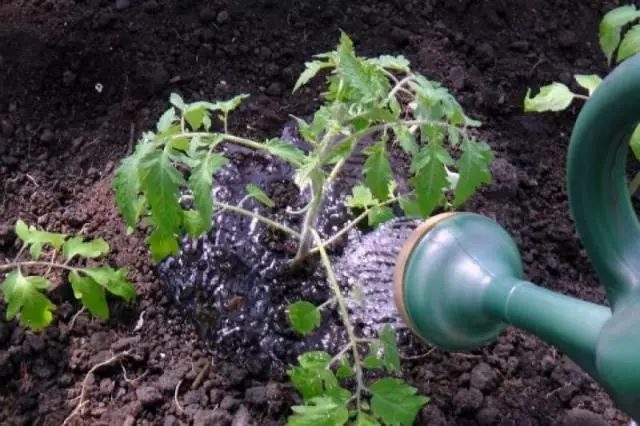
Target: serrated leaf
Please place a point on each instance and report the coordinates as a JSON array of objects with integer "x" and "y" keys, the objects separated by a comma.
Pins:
[
  {"x": 76, "y": 246},
  {"x": 379, "y": 214},
  {"x": 353, "y": 72},
  {"x": 395, "y": 402},
  {"x": 226, "y": 106},
  {"x": 630, "y": 44},
  {"x": 473, "y": 168},
  {"x": 194, "y": 224},
  {"x": 161, "y": 184},
  {"x": 396, "y": 63},
  {"x": 255, "y": 192},
  {"x": 391, "y": 354},
  {"x": 304, "y": 317},
  {"x": 36, "y": 239},
  {"x": 201, "y": 184},
  {"x": 611, "y": 27},
  {"x": 361, "y": 197},
  {"x": 113, "y": 280},
  {"x": 312, "y": 377},
  {"x": 23, "y": 296},
  {"x": 429, "y": 181},
  {"x": 377, "y": 170},
  {"x": 406, "y": 139},
  {"x": 410, "y": 207},
  {"x": 90, "y": 293},
  {"x": 126, "y": 185},
  {"x": 552, "y": 97},
  {"x": 366, "y": 420},
  {"x": 311, "y": 70},
  {"x": 286, "y": 151},
  {"x": 162, "y": 245},
  {"x": 320, "y": 411},
  {"x": 166, "y": 120},
  {"x": 589, "y": 82}
]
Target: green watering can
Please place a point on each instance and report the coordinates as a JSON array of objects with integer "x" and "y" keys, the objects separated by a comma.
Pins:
[{"x": 458, "y": 280}]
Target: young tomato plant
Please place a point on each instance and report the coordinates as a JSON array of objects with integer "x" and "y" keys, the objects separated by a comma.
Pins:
[
  {"x": 25, "y": 294},
  {"x": 617, "y": 46},
  {"x": 379, "y": 98}
]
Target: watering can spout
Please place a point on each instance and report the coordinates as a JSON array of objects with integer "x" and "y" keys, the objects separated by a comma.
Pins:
[{"x": 458, "y": 279}]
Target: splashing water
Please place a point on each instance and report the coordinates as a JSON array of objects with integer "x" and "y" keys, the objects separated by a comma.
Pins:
[{"x": 230, "y": 282}]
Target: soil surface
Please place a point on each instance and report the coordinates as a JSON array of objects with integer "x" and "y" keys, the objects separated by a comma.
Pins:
[{"x": 80, "y": 81}]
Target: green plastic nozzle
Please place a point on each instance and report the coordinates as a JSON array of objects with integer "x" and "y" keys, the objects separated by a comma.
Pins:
[{"x": 459, "y": 281}]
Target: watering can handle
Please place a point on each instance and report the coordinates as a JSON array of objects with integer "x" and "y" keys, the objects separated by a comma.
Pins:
[{"x": 597, "y": 184}]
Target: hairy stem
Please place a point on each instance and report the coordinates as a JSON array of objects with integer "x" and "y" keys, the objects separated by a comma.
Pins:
[
  {"x": 310, "y": 221},
  {"x": 344, "y": 314},
  {"x": 13, "y": 265}
]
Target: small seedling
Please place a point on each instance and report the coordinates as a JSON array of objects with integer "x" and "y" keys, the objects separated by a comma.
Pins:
[
  {"x": 25, "y": 294},
  {"x": 379, "y": 98},
  {"x": 617, "y": 46}
]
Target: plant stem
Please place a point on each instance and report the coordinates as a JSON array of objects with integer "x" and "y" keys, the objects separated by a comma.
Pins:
[
  {"x": 256, "y": 216},
  {"x": 350, "y": 226},
  {"x": 13, "y": 265},
  {"x": 344, "y": 314},
  {"x": 310, "y": 221}
]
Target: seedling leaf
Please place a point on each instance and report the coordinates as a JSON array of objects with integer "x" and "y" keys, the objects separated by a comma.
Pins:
[
  {"x": 304, "y": 317},
  {"x": 23, "y": 296},
  {"x": 474, "y": 169},
  {"x": 552, "y": 97},
  {"x": 36, "y": 239},
  {"x": 630, "y": 44},
  {"x": 255, "y": 192},
  {"x": 201, "y": 183},
  {"x": 589, "y": 82},
  {"x": 611, "y": 27},
  {"x": 377, "y": 170},
  {"x": 320, "y": 411},
  {"x": 76, "y": 246},
  {"x": 361, "y": 197},
  {"x": 311, "y": 70},
  {"x": 395, "y": 402},
  {"x": 87, "y": 290}
]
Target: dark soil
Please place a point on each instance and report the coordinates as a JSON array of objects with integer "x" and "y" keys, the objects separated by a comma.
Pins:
[{"x": 80, "y": 80}]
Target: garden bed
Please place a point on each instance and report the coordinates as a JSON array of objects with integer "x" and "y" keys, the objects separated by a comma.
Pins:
[{"x": 79, "y": 82}]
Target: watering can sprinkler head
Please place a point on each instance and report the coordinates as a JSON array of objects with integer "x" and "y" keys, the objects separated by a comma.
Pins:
[{"x": 459, "y": 281}]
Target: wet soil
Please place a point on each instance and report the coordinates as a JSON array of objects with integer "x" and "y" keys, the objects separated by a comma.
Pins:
[{"x": 80, "y": 80}]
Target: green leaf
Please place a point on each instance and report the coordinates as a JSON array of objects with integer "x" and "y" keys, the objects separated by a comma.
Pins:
[
  {"x": 304, "y": 317},
  {"x": 473, "y": 169},
  {"x": 634, "y": 142},
  {"x": 201, "y": 184},
  {"x": 372, "y": 360},
  {"x": 113, "y": 280},
  {"x": 410, "y": 207},
  {"x": 429, "y": 180},
  {"x": 176, "y": 101},
  {"x": 391, "y": 354},
  {"x": 320, "y": 411},
  {"x": 630, "y": 44},
  {"x": 160, "y": 182},
  {"x": 126, "y": 184},
  {"x": 611, "y": 27},
  {"x": 361, "y": 197},
  {"x": 353, "y": 72},
  {"x": 254, "y": 191},
  {"x": 194, "y": 224},
  {"x": 395, "y": 402},
  {"x": 344, "y": 370},
  {"x": 37, "y": 239},
  {"x": 166, "y": 120},
  {"x": 377, "y": 170},
  {"x": 194, "y": 115},
  {"x": 90, "y": 293},
  {"x": 76, "y": 246},
  {"x": 286, "y": 151},
  {"x": 226, "y": 106},
  {"x": 589, "y": 82},
  {"x": 366, "y": 420},
  {"x": 23, "y": 297},
  {"x": 396, "y": 63},
  {"x": 312, "y": 377},
  {"x": 340, "y": 151},
  {"x": 162, "y": 244},
  {"x": 406, "y": 139},
  {"x": 379, "y": 214},
  {"x": 311, "y": 70},
  {"x": 552, "y": 97}
]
